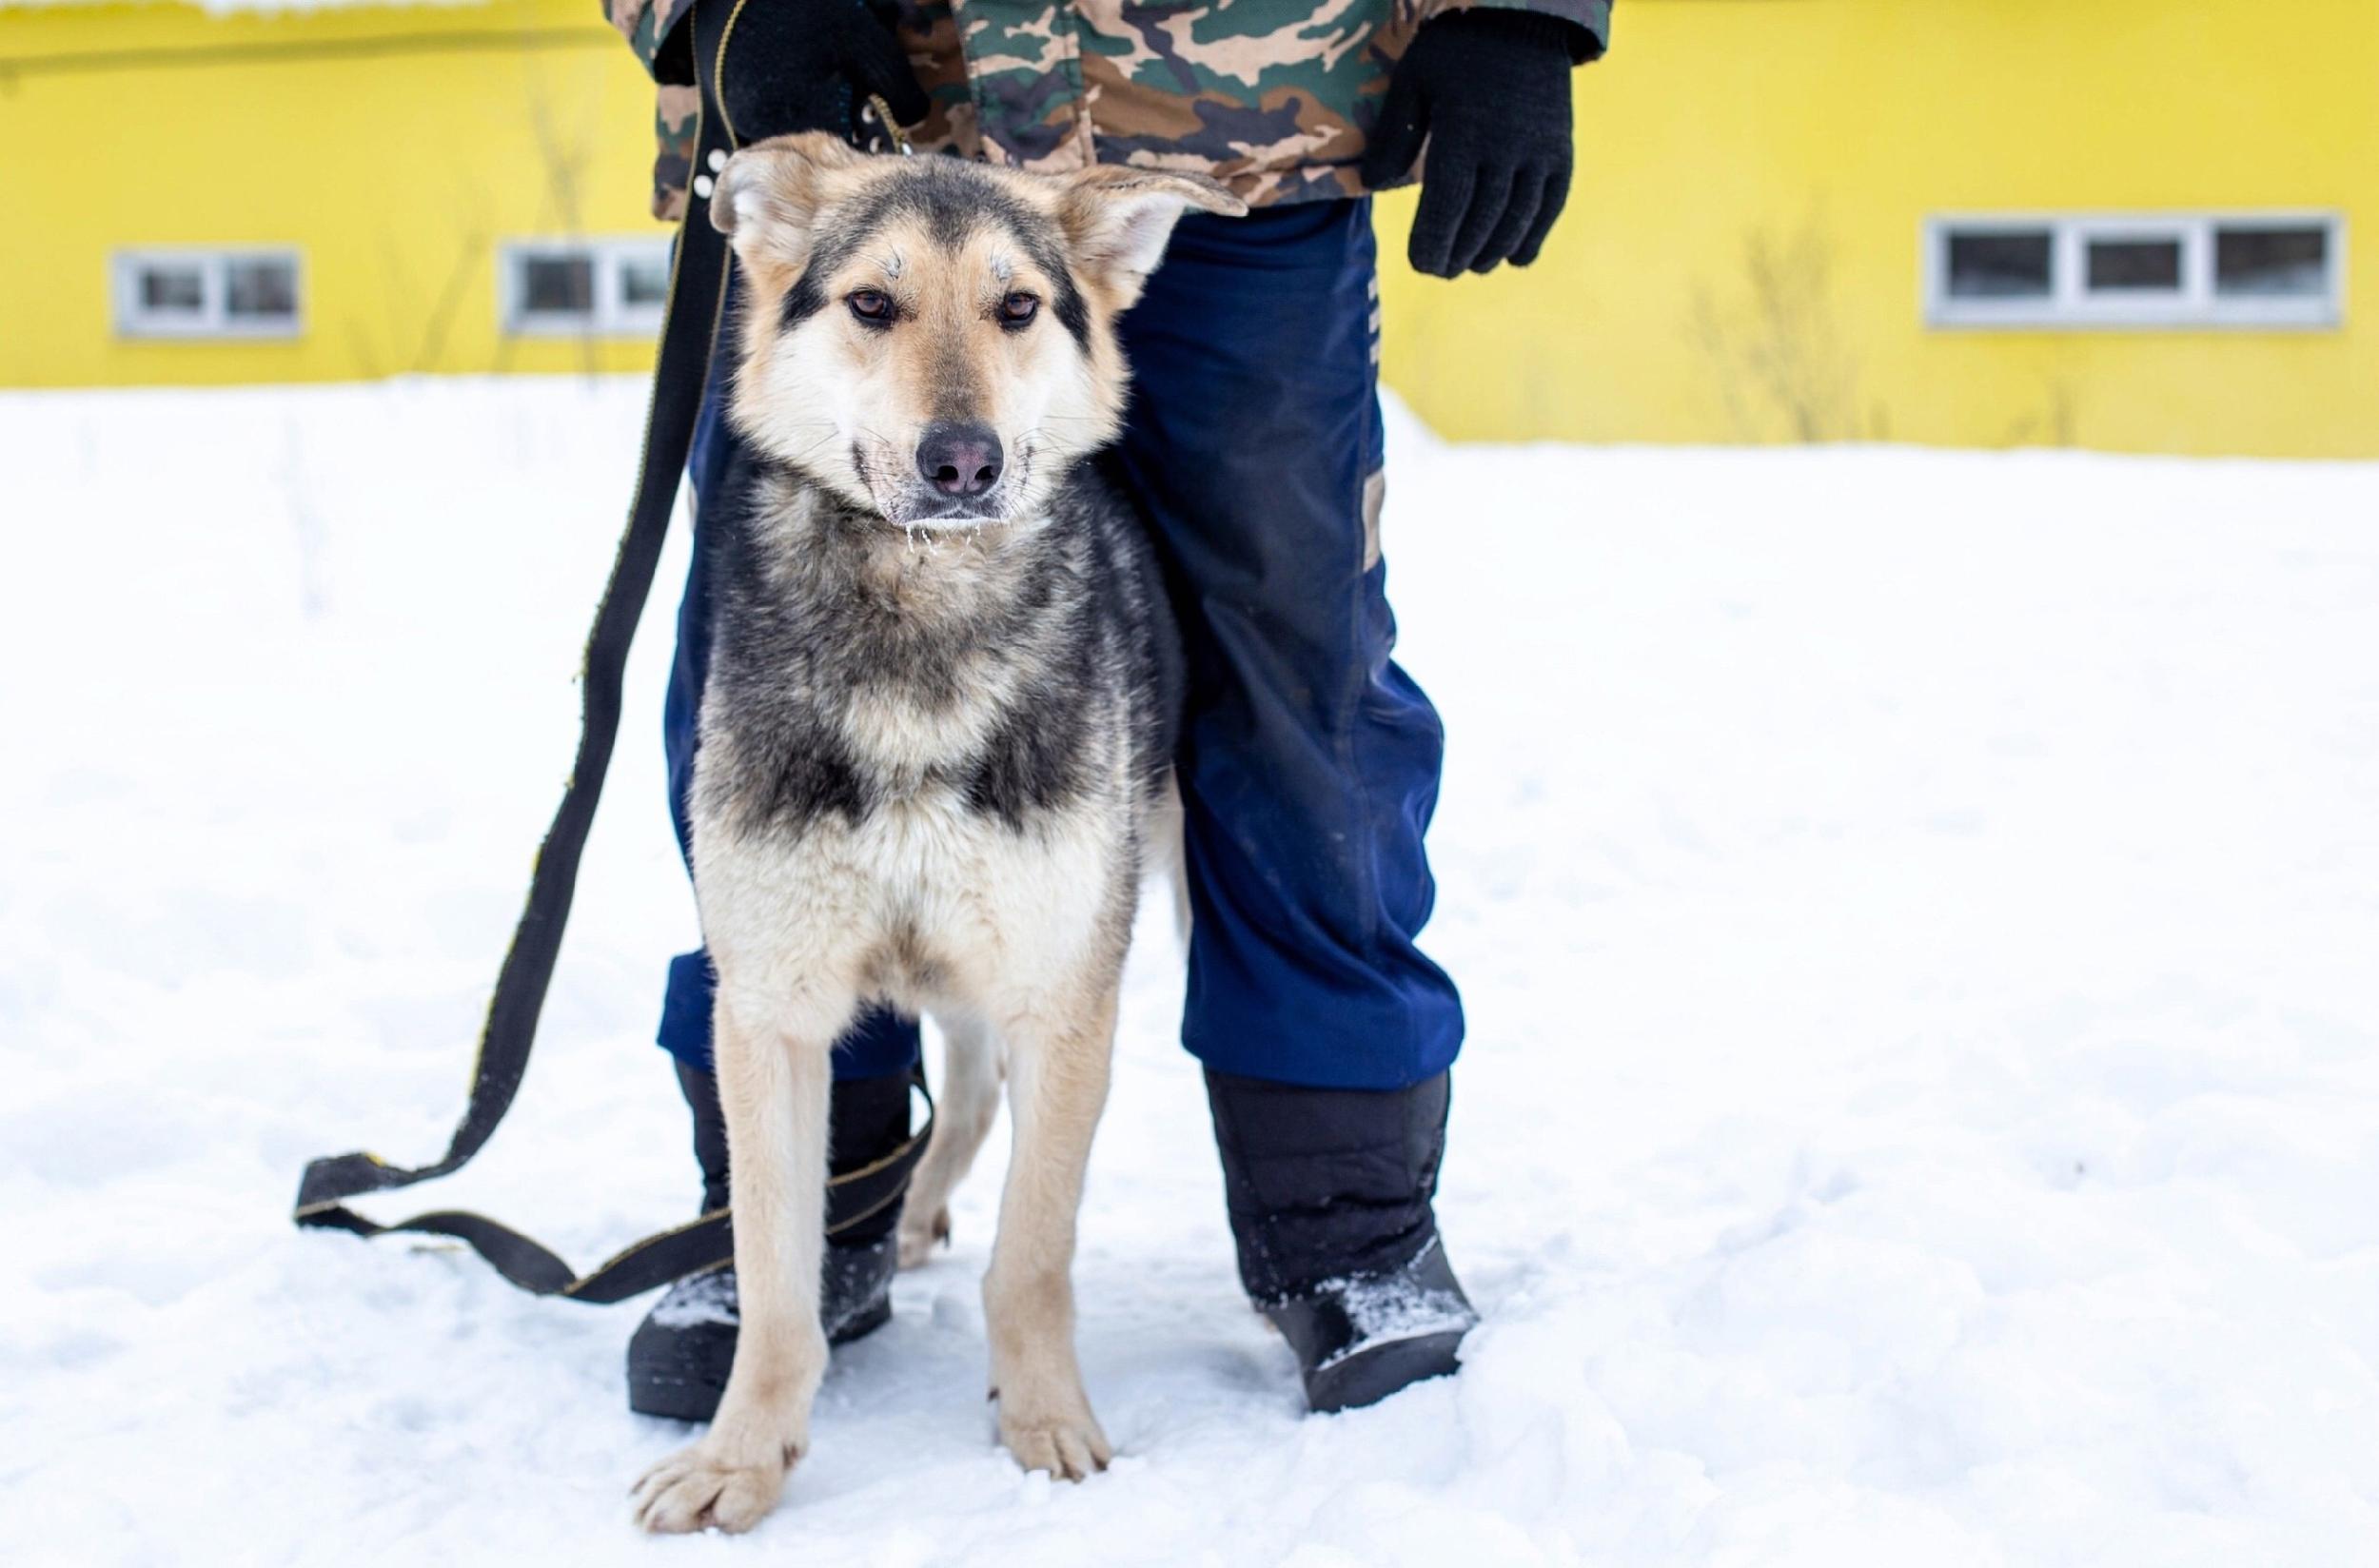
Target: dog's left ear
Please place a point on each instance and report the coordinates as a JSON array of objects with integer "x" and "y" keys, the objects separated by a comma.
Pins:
[
  {"x": 1117, "y": 219},
  {"x": 766, "y": 200}
]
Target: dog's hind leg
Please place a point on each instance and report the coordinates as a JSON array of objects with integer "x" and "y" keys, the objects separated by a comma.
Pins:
[
  {"x": 773, "y": 1084},
  {"x": 970, "y": 1099},
  {"x": 1057, "y": 1070},
  {"x": 1166, "y": 851}
]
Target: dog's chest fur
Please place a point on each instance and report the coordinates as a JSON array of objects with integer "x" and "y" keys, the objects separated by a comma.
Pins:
[{"x": 932, "y": 743}]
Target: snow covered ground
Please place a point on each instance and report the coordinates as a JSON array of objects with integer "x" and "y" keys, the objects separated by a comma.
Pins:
[{"x": 1918, "y": 913}]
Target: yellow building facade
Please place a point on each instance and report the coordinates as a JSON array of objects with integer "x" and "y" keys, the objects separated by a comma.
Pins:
[
  {"x": 2116, "y": 224},
  {"x": 402, "y": 153},
  {"x": 1744, "y": 254}
]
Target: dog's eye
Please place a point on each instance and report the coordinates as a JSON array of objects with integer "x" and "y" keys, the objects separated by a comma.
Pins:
[
  {"x": 870, "y": 307},
  {"x": 1018, "y": 309}
]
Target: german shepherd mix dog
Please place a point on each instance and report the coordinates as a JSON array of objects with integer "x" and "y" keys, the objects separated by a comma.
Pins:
[{"x": 936, "y": 736}]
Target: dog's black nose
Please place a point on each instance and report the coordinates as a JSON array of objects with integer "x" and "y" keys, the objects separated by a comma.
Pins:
[{"x": 959, "y": 460}]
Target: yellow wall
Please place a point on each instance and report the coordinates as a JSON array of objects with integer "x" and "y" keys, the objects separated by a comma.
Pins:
[
  {"x": 1830, "y": 129},
  {"x": 395, "y": 173},
  {"x": 1820, "y": 132}
]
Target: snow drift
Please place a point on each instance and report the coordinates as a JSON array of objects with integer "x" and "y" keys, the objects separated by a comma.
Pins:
[{"x": 1916, "y": 913}]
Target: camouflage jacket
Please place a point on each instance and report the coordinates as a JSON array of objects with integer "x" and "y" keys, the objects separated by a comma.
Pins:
[{"x": 1273, "y": 97}]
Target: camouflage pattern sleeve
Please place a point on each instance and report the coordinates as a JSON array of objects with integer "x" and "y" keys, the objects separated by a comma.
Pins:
[
  {"x": 677, "y": 125},
  {"x": 1275, "y": 98},
  {"x": 645, "y": 22},
  {"x": 1271, "y": 97},
  {"x": 930, "y": 28}
]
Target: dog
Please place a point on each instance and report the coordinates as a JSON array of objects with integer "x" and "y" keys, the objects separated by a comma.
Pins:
[{"x": 936, "y": 738}]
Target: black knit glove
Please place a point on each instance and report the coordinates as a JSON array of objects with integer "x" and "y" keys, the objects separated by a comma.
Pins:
[
  {"x": 1489, "y": 88},
  {"x": 808, "y": 65}
]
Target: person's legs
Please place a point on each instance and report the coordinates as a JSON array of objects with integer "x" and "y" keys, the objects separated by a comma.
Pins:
[
  {"x": 1308, "y": 760},
  {"x": 1308, "y": 768}
]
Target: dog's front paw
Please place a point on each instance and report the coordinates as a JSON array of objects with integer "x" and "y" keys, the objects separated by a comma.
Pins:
[
  {"x": 1069, "y": 1447},
  {"x": 708, "y": 1485},
  {"x": 918, "y": 1234}
]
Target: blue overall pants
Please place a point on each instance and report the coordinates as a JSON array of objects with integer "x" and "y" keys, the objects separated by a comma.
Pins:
[{"x": 1308, "y": 760}]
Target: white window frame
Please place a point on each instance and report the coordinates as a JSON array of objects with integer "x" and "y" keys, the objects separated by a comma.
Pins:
[
  {"x": 612, "y": 316},
  {"x": 214, "y": 321},
  {"x": 2070, "y": 305}
]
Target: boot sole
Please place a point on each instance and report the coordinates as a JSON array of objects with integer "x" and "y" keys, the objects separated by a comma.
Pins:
[{"x": 1382, "y": 1368}]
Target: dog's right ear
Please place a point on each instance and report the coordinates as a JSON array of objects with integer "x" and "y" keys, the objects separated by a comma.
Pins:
[
  {"x": 1119, "y": 217},
  {"x": 767, "y": 198}
]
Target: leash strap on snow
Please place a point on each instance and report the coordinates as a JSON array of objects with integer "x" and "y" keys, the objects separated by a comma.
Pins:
[{"x": 689, "y": 329}]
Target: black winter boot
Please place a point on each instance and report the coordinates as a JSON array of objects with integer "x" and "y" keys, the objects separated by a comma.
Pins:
[
  {"x": 680, "y": 1356},
  {"x": 1329, "y": 1193}
]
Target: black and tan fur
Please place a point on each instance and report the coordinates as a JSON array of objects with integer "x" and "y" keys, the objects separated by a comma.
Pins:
[{"x": 936, "y": 738}]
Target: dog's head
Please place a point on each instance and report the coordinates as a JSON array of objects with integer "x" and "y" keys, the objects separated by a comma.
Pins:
[{"x": 934, "y": 340}]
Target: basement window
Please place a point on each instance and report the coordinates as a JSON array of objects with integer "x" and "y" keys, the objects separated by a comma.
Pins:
[
  {"x": 2276, "y": 261},
  {"x": 2000, "y": 264},
  {"x": 2276, "y": 270},
  {"x": 593, "y": 288},
  {"x": 2134, "y": 266},
  {"x": 203, "y": 294}
]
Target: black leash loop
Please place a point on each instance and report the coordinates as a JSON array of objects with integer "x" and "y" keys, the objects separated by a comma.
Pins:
[{"x": 698, "y": 293}]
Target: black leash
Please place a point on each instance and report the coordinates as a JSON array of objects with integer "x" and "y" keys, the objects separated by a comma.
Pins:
[{"x": 689, "y": 331}]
